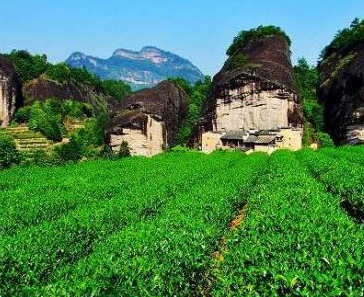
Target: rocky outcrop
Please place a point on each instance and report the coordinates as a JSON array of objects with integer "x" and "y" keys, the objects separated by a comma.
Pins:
[
  {"x": 43, "y": 88},
  {"x": 255, "y": 89},
  {"x": 342, "y": 92},
  {"x": 10, "y": 91},
  {"x": 149, "y": 119}
]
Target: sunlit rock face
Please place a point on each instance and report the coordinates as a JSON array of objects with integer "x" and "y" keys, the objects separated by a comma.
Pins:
[
  {"x": 148, "y": 120},
  {"x": 256, "y": 92},
  {"x": 342, "y": 92},
  {"x": 10, "y": 91}
]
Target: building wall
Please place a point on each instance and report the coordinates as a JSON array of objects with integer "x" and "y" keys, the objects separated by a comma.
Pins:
[
  {"x": 210, "y": 141},
  {"x": 292, "y": 139},
  {"x": 149, "y": 144},
  {"x": 247, "y": 107},
  {"x": 264, "y": 148}
]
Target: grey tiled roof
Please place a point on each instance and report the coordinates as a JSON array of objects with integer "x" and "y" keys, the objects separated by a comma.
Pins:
[
  {"x": 251, "y": 139},
  {"x": 234, "y": 135},
  {"x": 265, "y": 139}
]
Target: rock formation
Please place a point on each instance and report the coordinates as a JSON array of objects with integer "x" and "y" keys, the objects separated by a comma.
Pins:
[
  {"x": 255, "y": 89},
  {"x": 342, "y": 92},
  {"x": 43, "y": 89},
  {"x": 10, "y": 91},
  {"x": 149, "y": 119}
]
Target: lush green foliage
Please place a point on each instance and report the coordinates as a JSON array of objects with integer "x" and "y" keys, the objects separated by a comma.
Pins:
[
  {"x": 307, "y": 81},
  {"x": 142, "y": 227},
  {"x": 47, "y": 119},
  {"x": 29, "y": 66},
  {"x": 8, "y": 152},
  {"x": 32, "y": 66},
  {"x": 244, "y": 37},
  {"x": 295, "y": 241},
  {"x": 345, "y": 39},
  {"x": 197, "y": 97}
]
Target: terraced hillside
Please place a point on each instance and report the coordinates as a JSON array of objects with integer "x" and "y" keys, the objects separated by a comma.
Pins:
[
  {"x": 186, "y": 224},
  {"x": 26, "y": 139}
]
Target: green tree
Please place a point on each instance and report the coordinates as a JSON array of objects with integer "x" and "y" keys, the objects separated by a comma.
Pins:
[
  {"x": 8, "y": 152},
  {"x": 345, "y": 39},
  {"x": 197, "y": 97},
  {"x": 116, "y": 89},
  {"x": 60, "y": 72},
  {"x": 28, "y": 66},
  {"x": 307, "y": 80},
  {"x": 245, "y": 36}
]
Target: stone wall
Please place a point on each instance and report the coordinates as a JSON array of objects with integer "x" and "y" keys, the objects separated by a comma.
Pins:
[
  {"x": 142, "y": 143},
  {"x": 292, "y": 139},
  {"x": 210, "y": 142}
]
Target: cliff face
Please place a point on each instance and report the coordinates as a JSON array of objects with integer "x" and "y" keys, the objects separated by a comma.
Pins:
[
  {"x": 342, "y": 92},
  {"x": 10, "y": 91},
  {"x": 43, "y": 89},
  {"x": 149, "y": 119},
  {"x": 255, "y": 89}
]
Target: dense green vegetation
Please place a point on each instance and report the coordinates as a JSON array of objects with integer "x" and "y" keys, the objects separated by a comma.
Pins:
[
  {"x": 32, "y": 66},
  {"x": 307, "y": 82},
  {"x": 8, "y": 153},
  {"x": 345, "y": 39},
  {"x": 197, "y": 96},
  {"x": 224, "y": 224},
  {"x": 245, "y": 36}
]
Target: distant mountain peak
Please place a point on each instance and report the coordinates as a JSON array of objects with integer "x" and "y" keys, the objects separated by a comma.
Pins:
[{"x": 144, "y": 68}]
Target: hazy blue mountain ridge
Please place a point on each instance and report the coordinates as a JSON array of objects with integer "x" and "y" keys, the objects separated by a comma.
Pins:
[{"x": 140, "y": 69}]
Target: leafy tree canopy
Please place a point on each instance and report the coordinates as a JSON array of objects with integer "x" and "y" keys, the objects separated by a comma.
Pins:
[
  {"x": 345, "y": 39},
  {"x": 245, "y": 36},
  {"x": 32, "y": 66},
  {"x": 197, "y": 96}
]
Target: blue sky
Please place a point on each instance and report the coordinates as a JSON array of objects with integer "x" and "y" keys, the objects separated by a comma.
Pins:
[{"x": 199, "y": 30}]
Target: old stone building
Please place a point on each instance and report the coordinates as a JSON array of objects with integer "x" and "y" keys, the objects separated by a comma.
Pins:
[
  {"x": 256, "y": 92},
  {"x": 10, "y": 91},
  {"x": 148, "y": 120}
]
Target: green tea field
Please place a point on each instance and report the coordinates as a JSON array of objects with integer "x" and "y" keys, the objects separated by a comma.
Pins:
[{"x": 186, "y": 224}]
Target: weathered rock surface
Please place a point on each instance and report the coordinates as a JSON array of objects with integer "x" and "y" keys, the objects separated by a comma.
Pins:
[
  {"x": 255, "y": 89},
  {"x": 10, "y": 91},
  {"x": 42, "y": 89},
  {"x": 149, "y": 119},
  {"x": 342, "y": 92}
]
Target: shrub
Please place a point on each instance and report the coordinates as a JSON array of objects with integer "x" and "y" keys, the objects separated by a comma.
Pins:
[
  {"x": 8, "y": 152},
  {"x": 45, "y": 119},
  {"x": 76, "y": 109},
  {"x": 180, "y": 148},
  {"x": 124, "y": 150},
  {"x": 345, "y": 39},
  {"x": 244, "y": 37},
  {"x": 22, "y": 115},
  {"x": 325, "y": 140},
  {"x": 71, "y": 151}
]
